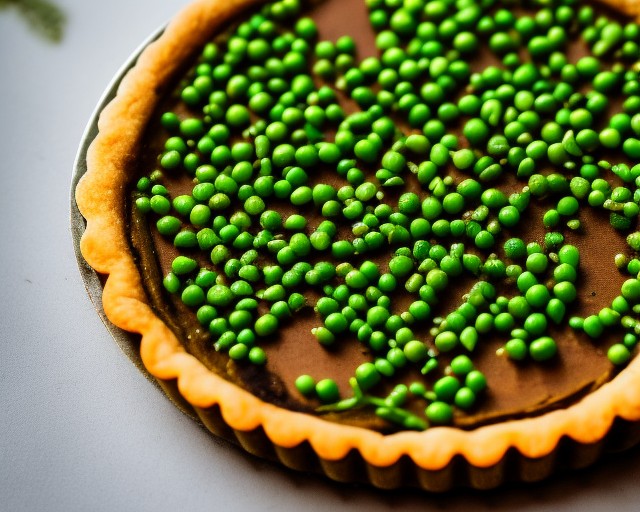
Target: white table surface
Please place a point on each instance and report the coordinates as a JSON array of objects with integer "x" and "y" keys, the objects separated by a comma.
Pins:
[{"x": 80, "y": 427}]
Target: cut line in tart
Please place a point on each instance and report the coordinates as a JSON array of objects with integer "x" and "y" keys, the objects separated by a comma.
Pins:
[{"x": 391, "y": 241}]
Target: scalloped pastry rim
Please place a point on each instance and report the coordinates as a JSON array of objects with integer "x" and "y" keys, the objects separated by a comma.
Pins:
[{"x": 100, "y": 197}]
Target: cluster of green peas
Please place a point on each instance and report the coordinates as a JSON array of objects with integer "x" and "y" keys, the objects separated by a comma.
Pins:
[
  {"x": 459, "y": 388},
  {"x": 261, "y": 88}
]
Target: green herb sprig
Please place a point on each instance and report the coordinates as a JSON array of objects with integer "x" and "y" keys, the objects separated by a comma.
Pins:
[{"x": 45, "y": 18}]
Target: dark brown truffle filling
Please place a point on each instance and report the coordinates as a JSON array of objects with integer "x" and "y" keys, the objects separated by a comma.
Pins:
[{"x": 514, "y": 389}]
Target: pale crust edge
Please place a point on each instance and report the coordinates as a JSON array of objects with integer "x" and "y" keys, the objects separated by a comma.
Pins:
[
  {"x": 100, "y": 197},
  {"x": 629, "y": 7}
]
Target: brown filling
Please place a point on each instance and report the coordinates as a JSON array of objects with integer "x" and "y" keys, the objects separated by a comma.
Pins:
[{"x": 514, "y": 389}]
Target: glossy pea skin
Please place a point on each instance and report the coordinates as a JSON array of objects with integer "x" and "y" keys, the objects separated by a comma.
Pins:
[
  {"x": 336, "y": 323},
  {"x": 537, "y": 263},
  {"x": 535, "y": 324},
  {"x": 219, "y": 295},
  {"x": 193, "y": 295},
  {"x": 543, "y": 349},
  {"x": 327, "y": 390},
  {"x": 619, "y": 354},
  {"x": 266, "y": 325},
  {"x": 516, "y": 349},
  {"x": 183, "y": 265},
  {"x": 446, "y": 341},
  {"x": 367, "y": 375},
  {"x": 306, "y": 385},
  {"x": 239, "y": 352},
  {"x": 631, "y": 290},
  {"x": 537, "y": 295},
  {"x": 439, "y": 413},
  {"x": 415, "y": 351},
  {"x": 476, "y": 381},
  {"x": 461, "y": 365}
]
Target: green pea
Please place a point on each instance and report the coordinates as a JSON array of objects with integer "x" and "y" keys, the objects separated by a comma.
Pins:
[
  {"x": 593, "y": 326},
  {"x": 323, "y": 335},
  {"x": 504, "y": 321},
  {"x": 257, "y": 356},
  {"x": 439, "y": 413},
  {"x": 476, "y": 131},
  {"x": 238, "y": 116},
  {"x": 475, "y": 381},
  {"x": 484, "y": 323},
  {"x": 168, "y": 225},
  {"x": 160, "y": 205},
  {"x": 367, "y": 375},
  {"x": 400, "y": 266},
  {"x": 569, "y": 254},
  {"x": 537, "y": 295},
  {"x": 516, "y": 349},
  {"x": 336, "y": 323},
  {"x": 565, "y": 291},
  {"x": 306, "y": 385},
  {"x": 484, "y": 240},
  {"x": 631, "y": 290},
  {"x": 543, "y": 349},
  {"x": 239, "y": 352},
  {"x": 465, "y": 398},
  {"x": 509, "y": 216},
  {"x": 446, "y": 341},
  {"x": 266, "y": 325},
  {"x": 193, "y": 296},
  {"x": 206, "y": 314},
  {"x": 296, "y": 301},
  {"x": 469, "y": 338},
  {"x": 183, "y": 265},
  {"x": 609, "y": 317},
  {"x": 171, "y": 160},
  {"x": 515, "y": 248},
  {"x": 240, "y": 319},
  {"x": 618, "y": 354},
  {"x": 327, "y": 390},
  {"x": 171, "y": 282},
  {"x": 461, "y": 365},
  {"x": 415, "y": 351},
  {"x": 568, "y": 206},
  {"x": 535, "y": 324},
  {"x": 143, "y": 204},
  {"x": 537, "y": 263},
  {"x": 219, "y": 295}
]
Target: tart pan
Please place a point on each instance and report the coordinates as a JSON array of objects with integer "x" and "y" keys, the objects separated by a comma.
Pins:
[{"x": 437, "y": 460}]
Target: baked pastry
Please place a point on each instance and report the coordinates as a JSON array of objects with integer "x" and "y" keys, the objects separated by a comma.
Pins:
[{"x": 408, "y": 260}]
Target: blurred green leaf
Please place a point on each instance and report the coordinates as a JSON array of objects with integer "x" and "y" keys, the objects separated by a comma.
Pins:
[{"x": 44, "y": 17}]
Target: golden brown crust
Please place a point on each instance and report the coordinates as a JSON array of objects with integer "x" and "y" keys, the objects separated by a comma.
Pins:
[
  {"x": 100, "y": 197},
  {"x": 629, "y": 7}
]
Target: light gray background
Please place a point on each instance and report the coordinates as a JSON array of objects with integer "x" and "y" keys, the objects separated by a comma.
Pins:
[{"x": 80, "y": 427}]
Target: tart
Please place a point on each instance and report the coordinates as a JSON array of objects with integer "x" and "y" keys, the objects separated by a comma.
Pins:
[{"x": 391, "y": 241}]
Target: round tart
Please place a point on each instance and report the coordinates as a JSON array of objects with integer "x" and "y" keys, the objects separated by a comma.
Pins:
[{"x": 393, "y": 241}]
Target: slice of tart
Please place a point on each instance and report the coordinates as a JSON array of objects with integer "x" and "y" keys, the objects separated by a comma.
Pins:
[{"x": 394, "y": 241}]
